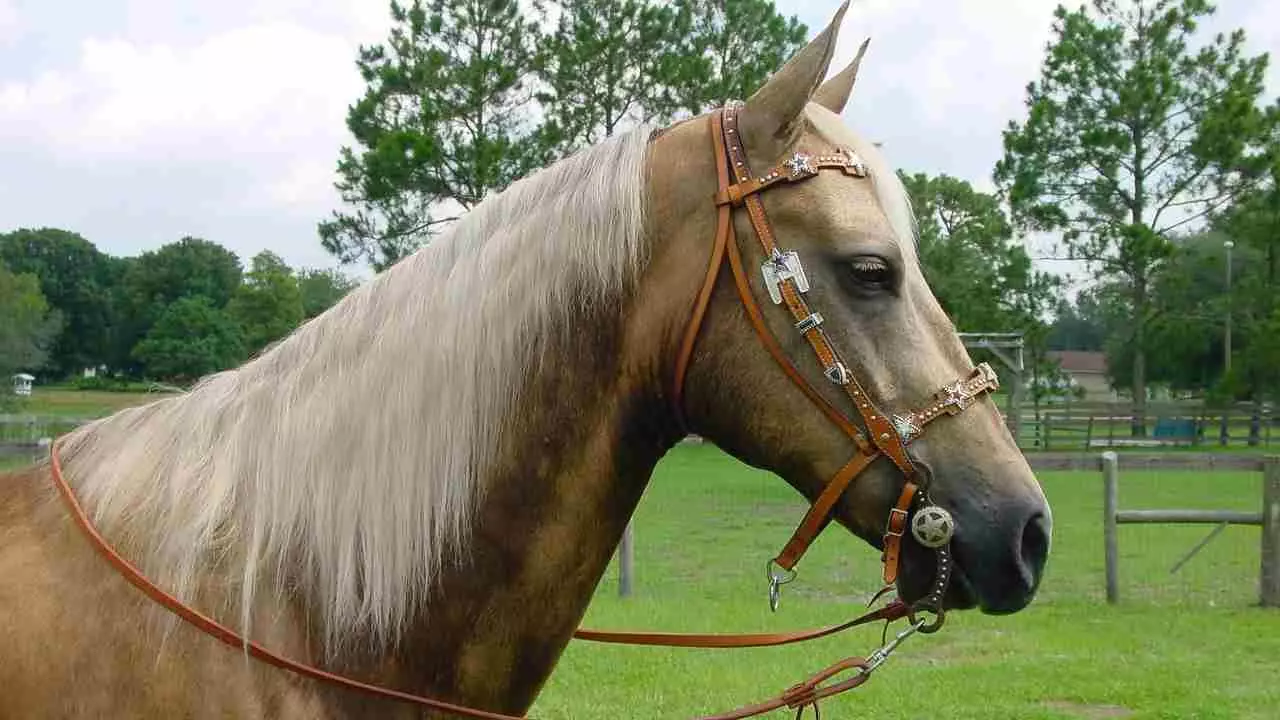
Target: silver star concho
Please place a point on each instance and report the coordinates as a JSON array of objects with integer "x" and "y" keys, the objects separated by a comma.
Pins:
[
  {"x": 957, "y": 395},
  {"x": 932, "y": 527},
  {"x": 801, "y": 164}
]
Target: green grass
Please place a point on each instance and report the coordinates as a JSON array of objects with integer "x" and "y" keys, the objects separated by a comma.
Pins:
[
  {"x": 82, "y": 404},
  {"x": 1191, "y": 645}
]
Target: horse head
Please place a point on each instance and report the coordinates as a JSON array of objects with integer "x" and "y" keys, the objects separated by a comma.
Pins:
[{"x": 822, "y": 265}]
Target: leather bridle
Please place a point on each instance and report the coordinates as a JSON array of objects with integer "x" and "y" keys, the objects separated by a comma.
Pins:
[
  {"x": 787, "y": 284},
  {"x": 883, "y": 435}
]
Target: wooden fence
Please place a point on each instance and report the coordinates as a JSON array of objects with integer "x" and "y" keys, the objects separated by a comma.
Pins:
[
  {"x": 1268, "y": 517},
  {"x": 1085, "y": 426}
]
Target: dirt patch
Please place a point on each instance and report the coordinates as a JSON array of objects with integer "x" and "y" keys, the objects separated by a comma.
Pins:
[{"x": 1088, "y": 711}]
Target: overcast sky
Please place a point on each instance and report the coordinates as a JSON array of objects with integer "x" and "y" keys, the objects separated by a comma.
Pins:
[{"x": 135, "y": 122}]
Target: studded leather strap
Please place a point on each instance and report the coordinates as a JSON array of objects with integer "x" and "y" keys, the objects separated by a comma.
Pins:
[{"x": 886, "y": 435}]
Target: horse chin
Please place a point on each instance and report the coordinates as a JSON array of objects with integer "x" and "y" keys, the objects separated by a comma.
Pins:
[{"x": 917, "y": 573}]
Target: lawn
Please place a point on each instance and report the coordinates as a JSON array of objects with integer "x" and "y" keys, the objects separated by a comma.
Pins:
[
  {"x": 82, "y": 404},
  {"x": 1190, "y": 645}
]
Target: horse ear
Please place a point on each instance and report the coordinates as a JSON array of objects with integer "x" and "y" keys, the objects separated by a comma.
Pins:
[
  {"x": 834, "y": 93},
  {"x": 770, "y": 119}
]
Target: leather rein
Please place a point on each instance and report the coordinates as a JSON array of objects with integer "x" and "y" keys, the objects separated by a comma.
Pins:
[{"x": 884, "y": 435}]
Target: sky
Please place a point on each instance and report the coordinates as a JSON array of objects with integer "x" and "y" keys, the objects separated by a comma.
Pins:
[{"x": 137, "y": 122}]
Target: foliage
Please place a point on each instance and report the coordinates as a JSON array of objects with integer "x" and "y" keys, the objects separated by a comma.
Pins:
[
  {"x": 981, "y": 276},
  {"x": 76, "y": 280},
  {"x": 603, "y": 67},
  {"x": 268, "y": 304},
  {"x": 724, "y": 50},
  {"x": 1131, "y": 134},
  {"x": 1078, "y": 325},
  {"x": 190, "y": 267},
  {"x": 1254, "y": 224},
  {"x": 321, "y": 289},
  {"x": 29, "y": 328},
  {"x": 444, "y": 120},
  {"x": 192, "y": 338},
  {"x": 463, "y": 98}
]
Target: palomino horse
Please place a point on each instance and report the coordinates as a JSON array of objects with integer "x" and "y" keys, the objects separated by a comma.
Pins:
[{"x": 421, "y": 488}]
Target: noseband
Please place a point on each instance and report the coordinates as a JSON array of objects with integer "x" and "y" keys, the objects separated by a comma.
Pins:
[{"x": 881, "y": 434}]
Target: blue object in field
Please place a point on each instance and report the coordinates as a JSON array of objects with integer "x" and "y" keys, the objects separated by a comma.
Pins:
[{"x": 1175, "y": 428}]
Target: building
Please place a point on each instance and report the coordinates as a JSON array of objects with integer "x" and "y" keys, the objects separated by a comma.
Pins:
[
  {"x": 22, "y": 384},
  {"x": 1087, "y": 370}
]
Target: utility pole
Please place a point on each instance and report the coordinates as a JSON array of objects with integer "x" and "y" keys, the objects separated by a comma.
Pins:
[
  {"x": 1226, "y": 346},
  {"x": 1224, "y": 434}
]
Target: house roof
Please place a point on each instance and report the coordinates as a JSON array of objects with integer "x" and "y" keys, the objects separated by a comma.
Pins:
[{"x": 1080, "y": 361}]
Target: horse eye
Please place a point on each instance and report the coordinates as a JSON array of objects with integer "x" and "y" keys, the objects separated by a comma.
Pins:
[{"x": 871, "y": 271}]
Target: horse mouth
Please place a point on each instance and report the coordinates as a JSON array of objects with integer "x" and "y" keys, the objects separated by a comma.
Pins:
[{"x": 919, "y": 573}]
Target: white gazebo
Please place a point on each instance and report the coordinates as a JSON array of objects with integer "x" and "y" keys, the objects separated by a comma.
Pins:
[{"x": 22, "y": 384}]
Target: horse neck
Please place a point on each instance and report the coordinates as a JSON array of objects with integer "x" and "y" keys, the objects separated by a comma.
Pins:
[{"x": 572, "y": 468}]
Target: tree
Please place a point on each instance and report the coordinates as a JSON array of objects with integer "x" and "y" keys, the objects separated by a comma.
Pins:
[
  {"x": 321, "y": 289},
  {"x": 1131, "y": 134},
  {"x": 1077, "y": 325},
  {"x": 725, "y": 50},
  {"x": 29, "y": 328},
  {"x": 190, "y": 267},
  {"x": 191, "y": 339},
  {"x": 981, "y": 277},
  {"x": 444, "y": 121},
  {"x": 76, "y": 279},
  {"x": 603, "y": 67},
  {"x": 1254, "y": 224},
  {"x": 268, "y": 305}
]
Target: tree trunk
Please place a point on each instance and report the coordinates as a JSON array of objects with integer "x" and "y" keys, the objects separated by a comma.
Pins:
[{"x": 1138, "y": 424}]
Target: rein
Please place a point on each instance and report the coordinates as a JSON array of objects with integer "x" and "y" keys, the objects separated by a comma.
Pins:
[{"x": 888, "y": 436}]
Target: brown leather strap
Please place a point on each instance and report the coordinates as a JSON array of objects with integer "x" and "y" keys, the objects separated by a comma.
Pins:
[
  {"x": 227, "y": 635},
  {"x": 808, "y": 693},
  {"x": 895, "y": 528},
  {"x": 723, "y": 232},
  {"x": 879, "y": 428},
  {"x": 892, "y": 611},
  {"x": 820, "y": 510}
]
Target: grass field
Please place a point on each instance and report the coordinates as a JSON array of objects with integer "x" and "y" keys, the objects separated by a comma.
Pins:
[
  {"x": 82, "y": 404},
  {"x": 1191, "y": 645}
]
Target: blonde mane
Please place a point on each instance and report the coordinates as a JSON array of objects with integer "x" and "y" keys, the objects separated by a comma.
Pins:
[{"x": 347, "y": 460}]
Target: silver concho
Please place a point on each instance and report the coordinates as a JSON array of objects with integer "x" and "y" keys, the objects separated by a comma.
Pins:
[{"x": 932, "y": 527}]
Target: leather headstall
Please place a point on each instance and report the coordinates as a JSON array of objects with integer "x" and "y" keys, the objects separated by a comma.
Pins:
[{"x": 786, "y": 282}]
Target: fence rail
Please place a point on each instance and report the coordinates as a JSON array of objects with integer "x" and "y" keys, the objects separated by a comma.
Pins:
[{"x": 1268, "y": 518}]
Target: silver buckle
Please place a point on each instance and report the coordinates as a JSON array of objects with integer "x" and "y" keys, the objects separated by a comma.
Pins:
[
  {"x": 780, "y": 268},
  {"x": 809, "y": 323}
]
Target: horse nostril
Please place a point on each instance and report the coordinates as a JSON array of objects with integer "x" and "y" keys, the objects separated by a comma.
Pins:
[{"x": 1035, "y": 546}]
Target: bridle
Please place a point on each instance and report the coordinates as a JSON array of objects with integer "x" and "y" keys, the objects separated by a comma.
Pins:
[{"x": 883, "y": 435}]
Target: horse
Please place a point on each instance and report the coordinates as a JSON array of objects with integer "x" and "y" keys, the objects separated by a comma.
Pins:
[{"x": 420, "y": 488}]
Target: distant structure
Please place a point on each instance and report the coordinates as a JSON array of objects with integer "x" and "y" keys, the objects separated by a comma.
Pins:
[{"x": 22, "y": 384}]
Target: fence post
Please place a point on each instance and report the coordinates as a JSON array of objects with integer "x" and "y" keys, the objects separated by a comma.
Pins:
[
  {"x": 1270, "y": 576},
  {"x": 1110, "y": 505},
  {"x": 626, "y": 561}
]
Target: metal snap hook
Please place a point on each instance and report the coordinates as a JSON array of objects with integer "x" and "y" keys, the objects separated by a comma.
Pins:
[{"x": 778, "y": 576}]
